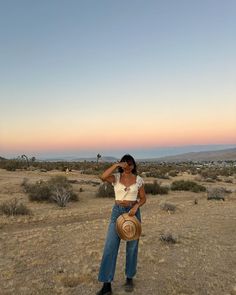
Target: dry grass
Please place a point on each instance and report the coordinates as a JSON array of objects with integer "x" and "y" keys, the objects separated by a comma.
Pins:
[
  {"x": 13, "y": 207},
  {"x": 58, "y": 250}
]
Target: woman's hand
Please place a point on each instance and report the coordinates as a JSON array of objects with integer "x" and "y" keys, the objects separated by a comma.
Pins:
[
  {"x": 122, "y": 165},
  {"x": 133, "y": 211}
]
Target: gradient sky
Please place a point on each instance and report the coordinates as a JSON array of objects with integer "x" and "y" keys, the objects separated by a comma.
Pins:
[{"x": 110, "y": 75}]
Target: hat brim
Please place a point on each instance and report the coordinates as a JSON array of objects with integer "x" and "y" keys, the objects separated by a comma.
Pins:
[{"x": 128, "y": 227}]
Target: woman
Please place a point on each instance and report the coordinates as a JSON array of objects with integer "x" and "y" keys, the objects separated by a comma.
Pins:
[{"x": 129, "y": 196}]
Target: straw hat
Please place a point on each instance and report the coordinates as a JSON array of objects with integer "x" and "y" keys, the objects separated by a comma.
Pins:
[{"x": 128, "y": 227}]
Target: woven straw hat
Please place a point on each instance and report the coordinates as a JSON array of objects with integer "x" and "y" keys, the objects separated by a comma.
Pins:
[{"x": 128, "y": 227}]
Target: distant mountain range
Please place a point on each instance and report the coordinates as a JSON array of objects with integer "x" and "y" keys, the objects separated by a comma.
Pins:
[
  {"x": 222, "y": 155},
  {"x": 206, "y": 155}
]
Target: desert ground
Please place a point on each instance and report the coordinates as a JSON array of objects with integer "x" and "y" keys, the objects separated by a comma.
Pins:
[{"x": 58, "y": 250}]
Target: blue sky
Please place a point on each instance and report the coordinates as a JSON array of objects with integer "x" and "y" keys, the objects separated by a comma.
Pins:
[{"x": 144, "y": 73}]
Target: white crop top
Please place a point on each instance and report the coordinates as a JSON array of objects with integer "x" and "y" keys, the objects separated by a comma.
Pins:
[{"x": 129, "y": 193}]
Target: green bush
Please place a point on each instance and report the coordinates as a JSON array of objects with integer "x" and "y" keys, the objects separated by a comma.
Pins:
[
  {"x": 40, "y": 191},
  {"x": 105, "y": 190},
  {"x": 56, "y": 189},
  {"x": 155, "y": 188},
  {"x": 186, "y": 185},
  {"x": 13, "y": 207},
  {"x": 12, "y": 165},
  {"x": 173, "y": 173},
  {"x": 228, "y": 180},
  {"x": 214, "y": 172}
]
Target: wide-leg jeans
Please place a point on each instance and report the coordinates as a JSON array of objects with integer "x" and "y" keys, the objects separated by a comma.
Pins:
[{"x": 108, "y": 263}]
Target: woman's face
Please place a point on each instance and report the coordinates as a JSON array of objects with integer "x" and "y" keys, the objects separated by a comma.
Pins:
[{"x": 129, "y": 167}]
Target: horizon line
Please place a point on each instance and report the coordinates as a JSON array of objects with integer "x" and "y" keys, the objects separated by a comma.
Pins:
[{"x": 163, "y": 152}]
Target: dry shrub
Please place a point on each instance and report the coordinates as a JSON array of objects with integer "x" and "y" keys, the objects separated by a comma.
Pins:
[
  {"x": 61, "y": 190},
  {"x": 214, "y": 171},
  {"x": 228, "y": 180},
  {"x": 155, "y": 188},
  {"x": 186, "y": 185},
  {"x": 168, "y": 238},
  {"x": 57, "y": 189},
  {"x": 217, "y": 193},
  {"x": 13, "y": 207},
  {"x": 61, "y": 196},
  {"x": 74, "y": 280},
  {"x": 209, "y": 173},
  {"x": 105, "y": 190},
  {"x": 25, "y": 182},
  {"x": 13, "y": 164},
  {"x": 210, "y": 180},
  {"x": 40, "y": 191},
  {"x": 173, "y": 173},
  {"x": 168, "y": 207},
  {"x": 157, "y": 174},
  {"x": 72, "y": 180}
]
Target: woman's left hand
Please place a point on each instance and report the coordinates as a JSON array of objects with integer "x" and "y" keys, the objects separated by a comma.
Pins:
[{"x": 132, "y": 211}]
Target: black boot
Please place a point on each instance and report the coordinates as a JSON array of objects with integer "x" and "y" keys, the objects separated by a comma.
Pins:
[
  {"x": 106, "y": 289},
  {"x": 129, "y": 285}
]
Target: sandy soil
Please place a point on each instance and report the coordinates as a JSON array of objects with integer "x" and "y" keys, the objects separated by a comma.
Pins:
[{"x": 58, "y": 251}]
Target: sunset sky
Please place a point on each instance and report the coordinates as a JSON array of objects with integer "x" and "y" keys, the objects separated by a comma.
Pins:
[{"x": 95, "y": 76}]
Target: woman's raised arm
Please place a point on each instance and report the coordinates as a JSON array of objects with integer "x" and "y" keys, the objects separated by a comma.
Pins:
[{"x": 106, "y": 175}]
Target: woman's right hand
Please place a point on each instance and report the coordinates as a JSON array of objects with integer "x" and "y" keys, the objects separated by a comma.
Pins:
[
  {"x": 106, "y": 175},
  {"x": 122, "y": 164}
]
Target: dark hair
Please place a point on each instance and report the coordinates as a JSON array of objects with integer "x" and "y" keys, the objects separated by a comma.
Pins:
[{"x": 128, "y": 158}]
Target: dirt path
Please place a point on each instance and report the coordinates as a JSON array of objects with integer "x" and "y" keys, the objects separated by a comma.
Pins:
[{"x": 37, "y": 224}]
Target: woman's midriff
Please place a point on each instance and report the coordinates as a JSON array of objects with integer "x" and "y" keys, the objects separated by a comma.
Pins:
[{"x": 125, "y": 203}]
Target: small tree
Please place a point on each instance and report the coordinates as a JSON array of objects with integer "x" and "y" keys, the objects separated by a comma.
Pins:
[
  {"x": 33, "y": 159},
  {"x": 26, "y": 158},
  {"x": 98, "y": 157}
]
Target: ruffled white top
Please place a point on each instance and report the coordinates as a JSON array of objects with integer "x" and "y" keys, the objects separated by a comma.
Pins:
[{"x": 129, "y": 193}]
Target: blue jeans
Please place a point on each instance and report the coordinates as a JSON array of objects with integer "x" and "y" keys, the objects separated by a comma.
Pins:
[{"x": 108, "y": 263}]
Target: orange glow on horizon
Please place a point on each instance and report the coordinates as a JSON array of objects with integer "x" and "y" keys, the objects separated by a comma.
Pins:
[
  {"x": 98, "y": 134},
  {"x": 63, "y": 144}
]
